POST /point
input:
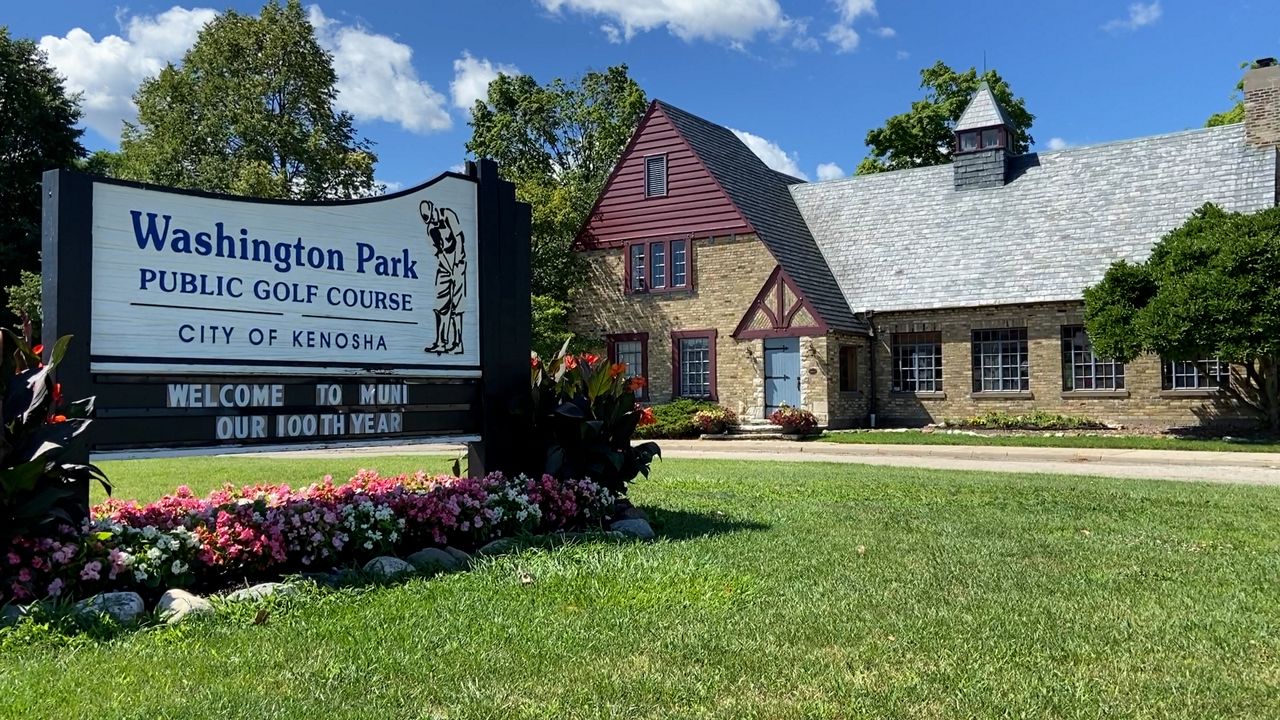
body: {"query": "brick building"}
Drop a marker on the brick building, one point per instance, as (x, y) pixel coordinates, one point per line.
(910, 296)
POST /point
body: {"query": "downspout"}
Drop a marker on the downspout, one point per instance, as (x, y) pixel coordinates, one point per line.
(871, 391)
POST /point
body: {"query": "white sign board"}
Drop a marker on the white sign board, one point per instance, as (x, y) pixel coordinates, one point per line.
(186, 284)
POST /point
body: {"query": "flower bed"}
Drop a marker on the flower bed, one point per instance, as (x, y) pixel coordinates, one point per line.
(265, 531)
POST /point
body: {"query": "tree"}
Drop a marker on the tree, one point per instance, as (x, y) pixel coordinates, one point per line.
(37, 133)
(1235, 113)
(250, 112)
(923, 135)
(558, 143)
(1208, 290)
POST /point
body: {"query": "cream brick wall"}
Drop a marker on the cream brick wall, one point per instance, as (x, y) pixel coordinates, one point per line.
(729, 272)
(1142, 403)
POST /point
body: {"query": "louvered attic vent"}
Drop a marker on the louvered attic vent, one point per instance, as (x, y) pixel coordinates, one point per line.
(655, 176)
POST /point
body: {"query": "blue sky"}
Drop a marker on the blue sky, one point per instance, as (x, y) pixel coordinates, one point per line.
(806, 78)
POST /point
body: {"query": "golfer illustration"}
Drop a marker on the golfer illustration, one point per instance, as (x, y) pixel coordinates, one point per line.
(445, 232)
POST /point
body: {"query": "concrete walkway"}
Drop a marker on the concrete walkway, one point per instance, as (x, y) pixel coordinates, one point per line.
(1186, 465)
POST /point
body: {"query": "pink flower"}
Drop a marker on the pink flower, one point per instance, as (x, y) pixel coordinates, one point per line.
(91, 571)
(13, 558)
(55, 587)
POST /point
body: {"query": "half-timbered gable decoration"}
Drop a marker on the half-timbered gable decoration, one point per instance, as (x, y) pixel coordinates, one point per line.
(779, 310)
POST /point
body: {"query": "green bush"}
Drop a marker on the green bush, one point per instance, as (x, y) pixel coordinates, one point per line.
(674, 420)
(1034, 420)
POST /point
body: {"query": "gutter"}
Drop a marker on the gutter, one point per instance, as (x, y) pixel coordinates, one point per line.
(871, 391)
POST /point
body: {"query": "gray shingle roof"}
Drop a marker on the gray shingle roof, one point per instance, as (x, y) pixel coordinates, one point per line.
(908, 240)
(761, 194)
(983, 111)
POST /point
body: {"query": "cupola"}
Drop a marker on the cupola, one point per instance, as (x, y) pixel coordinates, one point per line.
(983, 138)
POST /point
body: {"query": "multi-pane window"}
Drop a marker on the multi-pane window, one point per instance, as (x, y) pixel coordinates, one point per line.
(655, 175)
(658, 265)
(631, 349)
(1000, 360)
(679, 264)
(848, 368)
(1194, 374)
(695, 357)
(1082, 369)
(917, 362)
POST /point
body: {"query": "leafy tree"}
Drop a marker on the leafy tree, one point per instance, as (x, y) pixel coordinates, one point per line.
(1208, 290)
(249, 111)
(24, 298)
(922, 136)
(37, 133)
(1235, 113)
(558, 143)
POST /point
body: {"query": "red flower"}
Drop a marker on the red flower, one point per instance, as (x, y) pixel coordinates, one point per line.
(57, 393)
(533, 361)
(570, 362)
(646, 417)
(58, 419)
(617, 369)
(591, 359)
(636, 383)
(38, 349)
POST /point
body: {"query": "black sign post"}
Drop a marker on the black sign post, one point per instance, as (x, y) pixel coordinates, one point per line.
(261, 402)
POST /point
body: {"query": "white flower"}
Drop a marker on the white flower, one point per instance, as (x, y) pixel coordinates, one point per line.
(154, 553)
(140, 575)
(178, 567)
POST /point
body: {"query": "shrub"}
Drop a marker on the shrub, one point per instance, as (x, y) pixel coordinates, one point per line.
(674, 420)
(269, 530)
(584, 414)
(715, 420)
(794, 420)
(1034, 420)
(37, 488)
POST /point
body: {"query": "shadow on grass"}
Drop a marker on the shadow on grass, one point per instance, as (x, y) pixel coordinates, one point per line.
(683, 525)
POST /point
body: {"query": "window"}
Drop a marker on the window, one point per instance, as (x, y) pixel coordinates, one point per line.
(632, 350)
(1194, 374)
(968, 141)
(1000, 360)
(917, 362)
(991, 138)
(1081, 369)
(655, 176)
(848, 368)
(694, 363)
(658, 265)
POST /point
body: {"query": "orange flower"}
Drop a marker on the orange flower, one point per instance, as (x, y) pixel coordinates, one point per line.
(57, 393)
(38, 349)
(533, 361)
(570, 362)
(591, 359)
(58, 419)
(617, 369)
(646, 417)
(636, 383)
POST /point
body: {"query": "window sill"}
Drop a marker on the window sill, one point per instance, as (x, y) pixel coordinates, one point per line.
(1094, 394)
(661, 291)
(1002, 395)
(1205, 393)
(938, 395)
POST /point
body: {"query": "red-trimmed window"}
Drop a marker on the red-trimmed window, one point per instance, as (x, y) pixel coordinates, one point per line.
(693, 364)
(659, 265)
(632, 349)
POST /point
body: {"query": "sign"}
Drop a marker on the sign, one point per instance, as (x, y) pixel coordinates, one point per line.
(204, 322)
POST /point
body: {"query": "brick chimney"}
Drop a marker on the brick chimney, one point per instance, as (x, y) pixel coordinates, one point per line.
(1262, 104)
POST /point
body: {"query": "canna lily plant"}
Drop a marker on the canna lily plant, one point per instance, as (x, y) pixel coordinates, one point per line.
(37, 488)
(584, 415)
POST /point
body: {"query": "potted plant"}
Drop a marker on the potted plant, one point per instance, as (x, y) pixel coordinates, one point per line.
(794, 421)
(715, 421)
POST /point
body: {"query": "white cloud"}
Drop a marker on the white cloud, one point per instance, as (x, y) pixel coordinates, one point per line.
(108, 71)
(376, 77)
(390, 186)
(902, 55)
(1057, 143)
(886, 32)
(737, 21)
(844, 37)
(851, 10)
(471, 78)
(1140, 15)
(830, 171)
(842, 34)
(772, 155)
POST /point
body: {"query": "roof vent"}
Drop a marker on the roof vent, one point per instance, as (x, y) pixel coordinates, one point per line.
(983, 135)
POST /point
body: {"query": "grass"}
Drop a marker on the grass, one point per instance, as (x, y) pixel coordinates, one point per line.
(778, 590)
(1118, 442)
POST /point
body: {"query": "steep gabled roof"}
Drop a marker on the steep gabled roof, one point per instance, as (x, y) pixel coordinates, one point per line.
(983, 111)
(761, 194)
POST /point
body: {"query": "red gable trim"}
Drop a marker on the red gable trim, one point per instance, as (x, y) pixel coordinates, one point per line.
(646, 212)
(769, 302)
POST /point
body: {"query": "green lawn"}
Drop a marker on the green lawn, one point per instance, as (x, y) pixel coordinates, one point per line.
(778, 591)
(1130, 442)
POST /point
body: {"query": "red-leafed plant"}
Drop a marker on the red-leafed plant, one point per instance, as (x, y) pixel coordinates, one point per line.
(794, 421)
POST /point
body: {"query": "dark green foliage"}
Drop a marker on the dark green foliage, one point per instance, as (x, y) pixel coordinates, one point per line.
(550, 328)
(24, 298)
(249, 112)
(1235, 113)
(922, 136)
(1208, 290)
(36, 487)
(37, 133)
(675, 419)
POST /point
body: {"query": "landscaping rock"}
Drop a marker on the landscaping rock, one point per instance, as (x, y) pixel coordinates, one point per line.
(385, 566)
(176, 605)
(434, 559)
(500, 546)
(463, 559)
(10, 614)
(260, 591)
(123, 607)
(634, 528)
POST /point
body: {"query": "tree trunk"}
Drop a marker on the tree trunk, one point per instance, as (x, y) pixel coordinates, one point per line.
(1271, 389)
